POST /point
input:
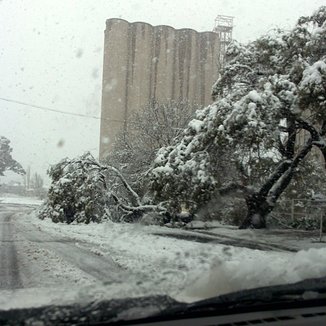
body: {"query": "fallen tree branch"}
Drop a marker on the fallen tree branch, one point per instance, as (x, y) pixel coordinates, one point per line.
(123, 180)
(140, 208)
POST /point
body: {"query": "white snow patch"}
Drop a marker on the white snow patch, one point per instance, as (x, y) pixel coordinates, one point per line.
(254, 269)
(254, 96)
(163, 169)
(313, 75)
(197, 125)
(64, 180)
(12, 199)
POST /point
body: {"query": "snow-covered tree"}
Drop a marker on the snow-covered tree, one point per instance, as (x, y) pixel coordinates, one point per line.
(148, 129)
(84, 191)
(269, 113)
(6, 160)
(77, 193)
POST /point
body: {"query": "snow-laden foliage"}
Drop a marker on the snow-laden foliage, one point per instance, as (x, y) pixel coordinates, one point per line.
(77, 193)
(184, 172)
(84, 191)
(6, 160)
(270, 92)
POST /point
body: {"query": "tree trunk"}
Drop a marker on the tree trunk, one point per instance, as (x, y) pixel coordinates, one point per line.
(261, 203)
(258, 209)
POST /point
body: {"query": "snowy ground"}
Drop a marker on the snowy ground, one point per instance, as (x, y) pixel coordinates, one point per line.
(191, 270)
(14, 199)
(274, 239)
(80, 262)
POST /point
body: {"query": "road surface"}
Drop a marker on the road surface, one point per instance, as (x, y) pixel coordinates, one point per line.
(30, 257)
(9, 269)
(210, 237)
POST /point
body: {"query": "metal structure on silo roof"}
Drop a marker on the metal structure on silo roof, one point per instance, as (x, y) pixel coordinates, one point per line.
(224, 28)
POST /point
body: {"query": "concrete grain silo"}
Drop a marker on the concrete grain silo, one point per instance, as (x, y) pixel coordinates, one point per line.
(144, 62)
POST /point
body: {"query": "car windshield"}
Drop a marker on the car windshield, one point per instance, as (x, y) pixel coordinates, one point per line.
(153, 147)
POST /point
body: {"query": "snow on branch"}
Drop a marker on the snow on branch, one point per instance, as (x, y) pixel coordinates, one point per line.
(123, 180)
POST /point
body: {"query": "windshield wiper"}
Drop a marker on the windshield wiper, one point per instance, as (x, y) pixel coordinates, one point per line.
(163, 308)
(310, 292)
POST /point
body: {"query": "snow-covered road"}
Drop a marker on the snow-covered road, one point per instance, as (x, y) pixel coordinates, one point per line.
(31, 257)
(47, 263)
(9, 268)
(77, 254)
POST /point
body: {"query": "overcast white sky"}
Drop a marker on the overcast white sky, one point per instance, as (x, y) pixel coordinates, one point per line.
(51, 56)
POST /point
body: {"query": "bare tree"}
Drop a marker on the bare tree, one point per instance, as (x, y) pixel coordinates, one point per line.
(36, 183)
(154, 126)
(27, 178)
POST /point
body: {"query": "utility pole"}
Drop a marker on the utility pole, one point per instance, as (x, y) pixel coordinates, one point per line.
(27, 178)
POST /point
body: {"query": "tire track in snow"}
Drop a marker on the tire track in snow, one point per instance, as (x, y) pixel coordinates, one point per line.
(261, 245)
(78, 254)
(210, 237)
(9, 267)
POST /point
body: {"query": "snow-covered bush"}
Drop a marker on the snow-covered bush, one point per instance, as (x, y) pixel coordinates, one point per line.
(77, 193)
